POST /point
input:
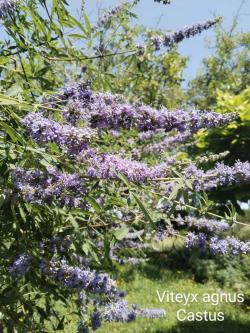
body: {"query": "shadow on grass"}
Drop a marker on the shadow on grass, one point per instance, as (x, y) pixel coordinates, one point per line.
(180, 263)
(227, 326)
(161, 265)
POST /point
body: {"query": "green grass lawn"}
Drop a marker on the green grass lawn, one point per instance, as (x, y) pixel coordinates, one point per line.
(167, 270)
(141, 285)
(142, 282)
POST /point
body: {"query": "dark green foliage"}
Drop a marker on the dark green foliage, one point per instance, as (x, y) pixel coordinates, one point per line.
(223, 85)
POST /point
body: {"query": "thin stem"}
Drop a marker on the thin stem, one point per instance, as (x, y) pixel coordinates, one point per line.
(199, 210)
(47, 11)
(7, 52)
(20, 58)
(91, 57)
(211, 214)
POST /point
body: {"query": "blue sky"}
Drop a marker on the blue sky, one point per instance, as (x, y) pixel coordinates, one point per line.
(179, 14)
(186, 12)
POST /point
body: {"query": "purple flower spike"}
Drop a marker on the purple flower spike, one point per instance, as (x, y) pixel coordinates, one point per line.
(20, 266)
(7, 7)
(71, 139)
(119, 311)
(152, 313)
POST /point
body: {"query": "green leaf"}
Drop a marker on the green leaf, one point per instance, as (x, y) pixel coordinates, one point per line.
(74, 22)
(143, 208)
(22, 213)
(73, 221)
(12, 133)
(175, 192)
(189, 183)
(4, 60)
(45, 163)
(124, 179)
(77, 36)
(60, 326)
(86, 248)
(7, 100)
(2, 198)
(94, 204)
(88, 24)
(41, 312)
(14, 90)
(177, 173)
(121, 233)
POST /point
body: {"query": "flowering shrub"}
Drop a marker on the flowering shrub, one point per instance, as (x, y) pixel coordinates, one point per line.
(7, 7)
(178, 36)
(79, 186)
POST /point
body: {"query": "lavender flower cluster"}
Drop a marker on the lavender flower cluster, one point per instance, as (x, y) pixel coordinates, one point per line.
(70, 189)
(163, 232)
(171, 39)
(59, 244)
(107, 111)
(92, 282)
(228, 245)
(78, 278)
(39, 187)
(107, 166)
(20, 266)
(104, 111)
(113, 309)
(109, 15)
(221, 175)
(74, 141)
(207, 225)
(151, 313)
(144, 136)
(96, 320)
(43, 130)
(144, 118)
(118, 311)
(168, 142)
(211, 157)
(7, 7)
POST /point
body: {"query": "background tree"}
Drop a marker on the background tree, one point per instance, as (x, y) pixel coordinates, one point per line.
(223, 86)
